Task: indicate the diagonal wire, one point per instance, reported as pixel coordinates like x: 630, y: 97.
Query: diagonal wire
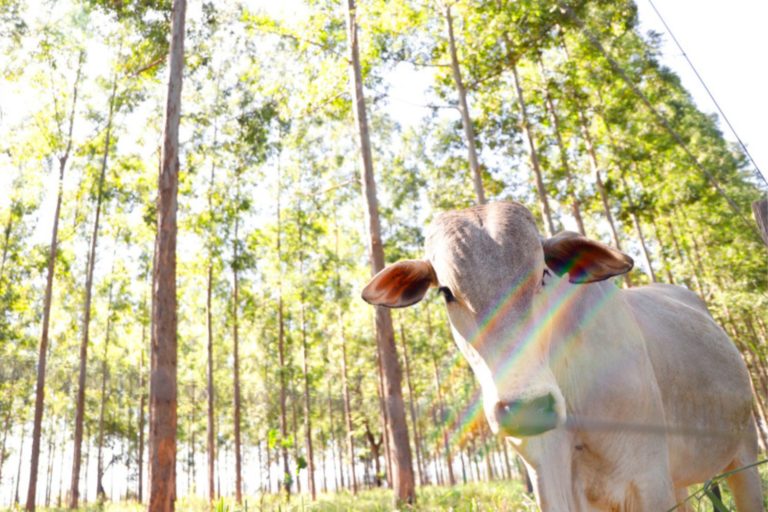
x: 759, y: 173
x: 660, y: 118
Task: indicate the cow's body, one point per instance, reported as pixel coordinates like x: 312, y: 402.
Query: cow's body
x: 616, y: 399
x: 670, y: 368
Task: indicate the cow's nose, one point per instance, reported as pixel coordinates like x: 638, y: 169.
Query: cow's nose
x: 521, y: 418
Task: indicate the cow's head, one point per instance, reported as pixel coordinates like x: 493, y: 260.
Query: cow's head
x: 500, y: 281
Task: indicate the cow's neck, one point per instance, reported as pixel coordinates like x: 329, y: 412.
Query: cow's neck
x: 597, y: 351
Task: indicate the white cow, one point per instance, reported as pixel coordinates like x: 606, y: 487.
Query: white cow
x: 616, y: 399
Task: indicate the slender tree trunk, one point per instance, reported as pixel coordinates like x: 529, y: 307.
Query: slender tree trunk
x: 384, y: 421
x: 142, y: 400
x: 507, y: 465
x: 684, y: 261
x: 344, y: 378
x: 281, y: 348
x: 211, y: 427
x: 74, y: 488
x: 305, y: 369
x: 18, y: 469
x: 488, y: 464
x: 571, y: 189
x: 62, y: 459
x: 100, y: 494
x: 599, y: 180
x: 324, y: 463
x: 662, y: 248
x: 192, y: 442
x: 441, y: 404
x: 411, y: 400
x: 466, y: 119
x: 236, y: 354
x: 375, y: 452
x: 335, y: 448
x: 7, y: 239
x: 533, y: 153
x: 639, y: 229
x: 403, y: 481
x: 49, y: 474
x: 163, y: 387
x: 295, y: 432
x: 6, y: 428
x: 87, y: 461
x: 43, y: 349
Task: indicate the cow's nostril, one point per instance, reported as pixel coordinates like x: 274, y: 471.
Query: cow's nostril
x: 544, y: 404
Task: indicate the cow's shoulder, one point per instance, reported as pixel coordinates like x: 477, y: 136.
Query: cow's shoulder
x: 665, y: 296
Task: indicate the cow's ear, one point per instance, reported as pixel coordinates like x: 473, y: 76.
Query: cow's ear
x: 585, y: 260
x: 400, y: 285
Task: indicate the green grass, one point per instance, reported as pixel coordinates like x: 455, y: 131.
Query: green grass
x: 472, y: 497
x: 504, y: 496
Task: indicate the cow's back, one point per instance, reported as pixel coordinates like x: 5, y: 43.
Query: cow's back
x: 703, y: 380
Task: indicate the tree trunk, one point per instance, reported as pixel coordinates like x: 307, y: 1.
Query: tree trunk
x: 18, y: 468
x: 403, y: 481
x: 100, y: 494
x: 6, y: 239
x: 599, y: 181
x: 639, y: 229
x: 760, y: 210
x: 528, y: 127
x: 49, y: 477
x: 441, y: 403
x: 487, y: 454
x: 375, y: 452
x: 295, y: 433
x: 210, y: 389
x: 384, y: 420
x: 210, y: 429
x: 507, y: 465
x: 142, y: 384
x: 571, y: 189
x: 236, y: 377
x: 74, y: 488
x: 662, y: 248
x: 6, y: 428
x: 282, y: 371
x: 43, y: 349
x: 305, y: 369
x: 62, y: 459
x: 344, y: 377
x: 163, y: 390
x: 466, y: 119
x: 411, y: 400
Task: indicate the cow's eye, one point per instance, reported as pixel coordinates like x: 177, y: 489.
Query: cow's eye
x: 446, y: 294
x: 545, y: 277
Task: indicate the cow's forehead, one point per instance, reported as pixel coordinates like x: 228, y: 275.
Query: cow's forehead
x: 478, y: 249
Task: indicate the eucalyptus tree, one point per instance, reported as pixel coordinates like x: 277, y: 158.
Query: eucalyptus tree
x: 60, y: 141
x: 91, y: 263
x: 162, y: 394
x: 403, y: 479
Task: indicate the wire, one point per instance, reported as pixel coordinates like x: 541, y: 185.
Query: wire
x: 758, y: 172
x: 660, y: 118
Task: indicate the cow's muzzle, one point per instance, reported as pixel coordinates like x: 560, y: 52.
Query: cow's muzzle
x: 522, y: 418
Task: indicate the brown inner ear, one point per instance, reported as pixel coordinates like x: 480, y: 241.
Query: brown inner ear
x: 400, y: 285
x: 585, y: 261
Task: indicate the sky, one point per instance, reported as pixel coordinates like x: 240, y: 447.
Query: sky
x: 727, y: 42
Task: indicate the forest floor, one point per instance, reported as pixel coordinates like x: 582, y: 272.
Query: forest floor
x: 502, y: 496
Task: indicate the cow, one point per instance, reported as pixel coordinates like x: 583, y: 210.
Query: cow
x: 616, y: 399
